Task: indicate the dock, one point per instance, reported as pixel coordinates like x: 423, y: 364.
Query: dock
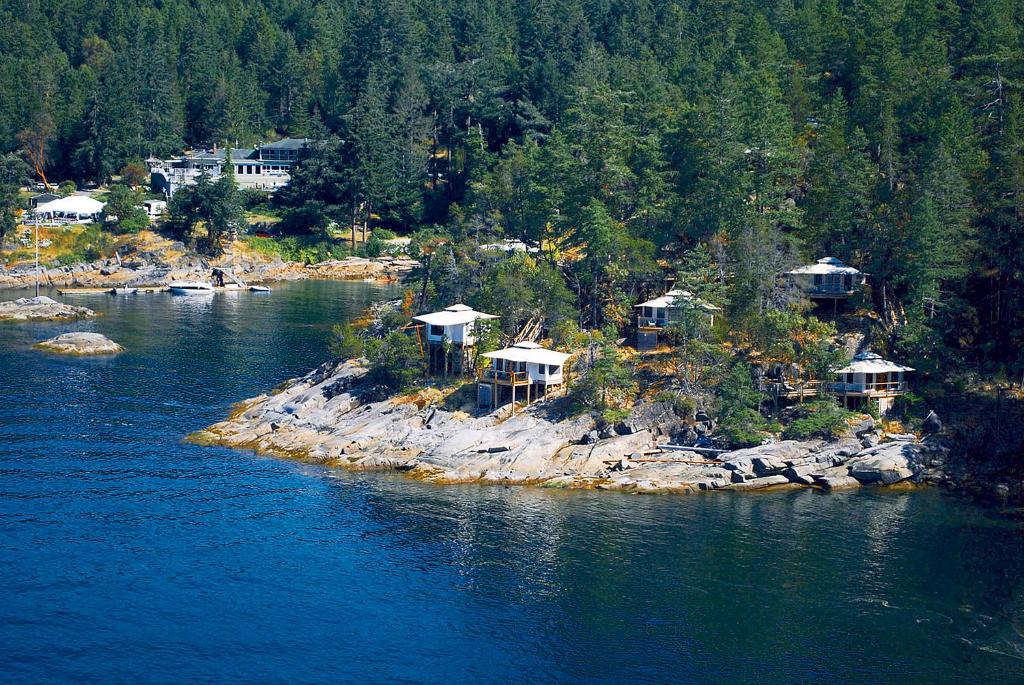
x: 106, y: 291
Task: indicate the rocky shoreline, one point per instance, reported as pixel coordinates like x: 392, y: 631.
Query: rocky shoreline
x: 155, y: 270
x: 330, y: 417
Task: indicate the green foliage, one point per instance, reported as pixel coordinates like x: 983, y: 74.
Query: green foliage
x: 607, y: 383
x: 819, y: 419
x: 395, y: 361
x: 13, y: 172
x: 123, y: 212
x: 345, y: 342
x: 307, y: 249
x: 740, y: 420
x: 208, y: 212
x: 888, y: 135
x: 89, y: 245
x: 684, y: 406
x: 67, y: 188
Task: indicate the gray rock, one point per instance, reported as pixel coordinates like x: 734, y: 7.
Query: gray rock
x: 607, y: 433
x: 759, y: 483
x: 890, y: 463
x: 870, y: 439
x: 931, y: 424
x: 80, y: 344
x: 838, y: 482
x: 865, y: 426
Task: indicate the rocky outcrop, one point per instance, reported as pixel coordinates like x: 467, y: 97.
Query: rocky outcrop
x: 327, y: 417
x: 41, y: 308
x: 80, y: 344
x: 154, y: 270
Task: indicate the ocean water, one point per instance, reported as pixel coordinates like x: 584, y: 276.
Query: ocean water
x: 127, y: 555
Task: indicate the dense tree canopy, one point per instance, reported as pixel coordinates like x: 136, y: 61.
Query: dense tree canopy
x: 607, y: 135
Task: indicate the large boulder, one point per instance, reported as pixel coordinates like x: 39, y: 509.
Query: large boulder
x: 41, y: 308
x: 81, y: 344
x: 931, y: 424
x: 886, y: 464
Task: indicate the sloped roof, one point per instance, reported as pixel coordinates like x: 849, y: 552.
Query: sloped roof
x: 72, y: 204
x: 287, y: 144
x: 679, y: 298
x: 453, y: 316
x: 869, y: 362
x: 825, y: 265
x: 529, y: 352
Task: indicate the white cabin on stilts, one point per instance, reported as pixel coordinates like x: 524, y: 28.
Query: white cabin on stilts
x: 655, y: 315
x: 455, y: 327
x: 828, y: 279
x: 524, y: 372
x: 869, y: 378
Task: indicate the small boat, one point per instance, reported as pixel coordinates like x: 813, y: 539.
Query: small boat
x: 259, y: 288
x: 123, y: 291
x: 190, y: 288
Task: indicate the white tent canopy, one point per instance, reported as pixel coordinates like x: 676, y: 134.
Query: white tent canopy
x: 869, y: 362
x: 529, y: 352
x: 73, y: 205
x: 826, y: 265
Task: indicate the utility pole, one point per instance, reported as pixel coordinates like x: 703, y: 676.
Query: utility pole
x: 37, y: 255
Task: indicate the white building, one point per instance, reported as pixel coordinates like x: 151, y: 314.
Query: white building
x: 526, y: 366
x: 456, y: 325
x: 266, y: 167
x: 73, y: 209
x: 655, y: 315
x: 154, y: 208
x: 827, y: 279
x: 868, y: 378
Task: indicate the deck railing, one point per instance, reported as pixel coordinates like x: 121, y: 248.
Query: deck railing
x: 516, y: 377
x: 880, y: 386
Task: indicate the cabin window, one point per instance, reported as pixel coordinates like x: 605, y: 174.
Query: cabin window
x: 848, y: 282
x: 521, y: 367
x: 818, y: 280
x: 552, y: 370
x: 648, y: 312
x: 436, y: 331
x: 849, y: 378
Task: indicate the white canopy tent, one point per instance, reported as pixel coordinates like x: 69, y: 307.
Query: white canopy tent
x: 74, y: 208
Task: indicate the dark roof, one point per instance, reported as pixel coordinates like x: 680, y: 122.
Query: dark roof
x: 287, y: 144
x: 44, y: 197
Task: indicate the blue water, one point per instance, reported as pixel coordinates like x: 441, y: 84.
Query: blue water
x: 127, y: 555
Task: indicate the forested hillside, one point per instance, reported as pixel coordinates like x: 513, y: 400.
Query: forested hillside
x: 735, y: 138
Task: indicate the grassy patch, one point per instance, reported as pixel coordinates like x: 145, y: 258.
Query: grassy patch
x: 299, y: 248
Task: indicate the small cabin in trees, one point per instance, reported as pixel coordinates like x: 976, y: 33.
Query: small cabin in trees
x: 869, y: 378
x: 525, y: 371
x: 655, y: 315
x: 454, y: 328
x: 827, y: 279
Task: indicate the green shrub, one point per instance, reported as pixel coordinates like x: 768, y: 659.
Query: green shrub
x: 345, y: 342
x: 383, y: 234
x: 821, y: 419
x: 395, y: 361
x: 683, y: 405
x: 307, y: 249
x: 744, y: 427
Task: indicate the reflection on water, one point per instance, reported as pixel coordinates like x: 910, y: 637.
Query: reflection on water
x: 128, y: 555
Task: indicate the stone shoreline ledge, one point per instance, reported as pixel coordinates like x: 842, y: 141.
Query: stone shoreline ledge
x: 327, y: 417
